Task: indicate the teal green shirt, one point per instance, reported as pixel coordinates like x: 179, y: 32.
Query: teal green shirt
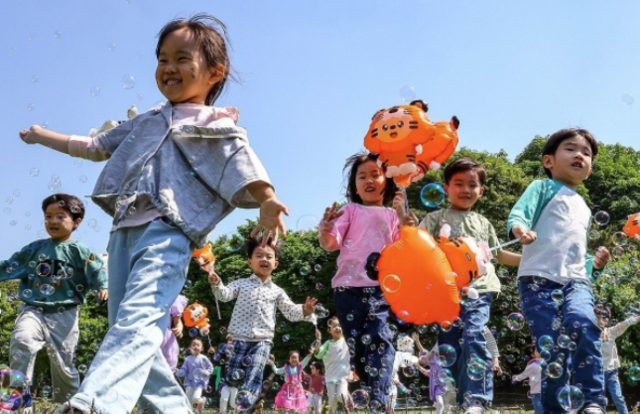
x: 467, y: 224
x: 55, y: 274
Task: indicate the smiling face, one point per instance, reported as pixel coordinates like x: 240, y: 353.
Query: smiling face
x: 294, y: 359
x: 182, y: 74
x: 59, y: 223
x: 196, y: 348
x: 334, y: 329
x: 571, y: 163
x: 464, y: 189
x: 370, y: 183
x: 263, y: 261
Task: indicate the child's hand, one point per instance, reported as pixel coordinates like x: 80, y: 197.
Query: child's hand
x: 415, y: 337
x: 525, y: 236
x: 309, y: 306
x: 602, y: 257
x: 30, y: 136
x: 318, y: 334
x: 328, y: 218
x: 177, y: 330
x: 214, y: 279
x: 424, y: 371
x: 496, y: 366
x: 103, y: 294
x: 513, y: 378
x: 271, y: 220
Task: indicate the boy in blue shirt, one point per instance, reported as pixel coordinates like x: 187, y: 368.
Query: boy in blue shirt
x: 552, y: 221
x: 55, y: 275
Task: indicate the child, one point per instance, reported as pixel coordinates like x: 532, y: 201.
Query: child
x: 172, y: 174
x: 170, y: 348
x: 335, y: 356
x: 359, y: 228
x: 610, y: 360
x: 552, y: 212
x: 464, y: 184
x: 404, y: 358
x: 196, y: 370
x: 316, y: 388
x: 254, y: 314
x: 533, y: 371
x: 228, y: 392
x: 291, y: 396
x: 55, y: 275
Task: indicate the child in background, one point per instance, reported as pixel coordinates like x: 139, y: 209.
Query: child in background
x: 334, y: 354
x: 361, y: 227
x: 404, y: 358
x: 172, y: 174
x: 464, y: 184
x: 291, y: 396
x: 196, y: 371
x: 228, y: 391
x: 610, y: 360
x: 533, y: 372
x: 316, y: 388
x: 55, y: 275
x: 254, y: 314
x: 170, y: 348
x: 552, y: 222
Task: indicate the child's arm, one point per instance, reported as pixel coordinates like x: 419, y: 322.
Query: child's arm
x: 38, y: 135
x: 276, y: 370
x: 406, y: 218
x: 525, y: 213
x: 208, y: 367
x: 177, y: 326
x: 322, y: 351
x: 294, y: 312
x: 619, y: 329
x: 508, y: 258
x: 528, y: 371
x: 270, y: 208
x: 184, y: 369
x: 7, y: 270
x: 492, y: 347
x: 96, y: 273
x: 220, y: 291
x: 305, y: 361
x: 416, y: 339
x: 327, y: 239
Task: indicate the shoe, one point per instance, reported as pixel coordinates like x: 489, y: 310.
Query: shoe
x: 592, y: 409
x: 477, y: 409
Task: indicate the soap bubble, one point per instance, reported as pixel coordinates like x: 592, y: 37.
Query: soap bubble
x: 304, y: 270
x: 128, y: 82
x: 634, y: 373
x: 366, y: 339
x: 476, y: 368
x: 446, y: 355
x: 627, y: 99
x: 409, y: 371
x: 243, y: 399
x: 247, y: 361
x: 82, y: 368
x: 307, y: 222
x: 407, y: 93
x: 432, y: 195
x: 360, y: 399
x: 545, y: 343
x: 34, y: 78
x: 34, y: 172
x: 27, y: 293
x: 233, y: 242
x: 391, y: 283
x: 31, y: 107
x: 601, y: 218
x: 555, y: 370
x: 515, y: 321
x: 47, y: 289
x: 286, y: 337
x: 94, y: 91
x: 111, y: 47
x: 570, y: 397
x: 320, y: 311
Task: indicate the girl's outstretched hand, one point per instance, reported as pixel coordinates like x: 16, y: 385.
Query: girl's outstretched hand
x: 328, y: 218
x: 309, y: 306
x: 30, y: 135
x: 271, y: 220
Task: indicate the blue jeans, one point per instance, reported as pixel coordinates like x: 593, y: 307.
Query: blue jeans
x: 612, y: 382
x: 475, y: 316
x: 368, y: 320
x: 536, y: 400
x: 147, y: 268
x: 577, y: 319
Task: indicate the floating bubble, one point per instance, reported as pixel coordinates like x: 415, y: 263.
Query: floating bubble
x: 27, y: 293
x: 366, y: 339
x: 57, y: 34
x: 304, y: 270
x: 515, y: 321
x: 244, y: 399
x: 391, y: 283
x: 601, y: 218
x: 545, y: 343
x: 34, y: 172
x: 407, y: 93
x: 111, y: 47
x: 317, y: 268
x: 320, y: 311
x: 570, y: 398
x: 94, y: 91
x: 409, y: 371
x: 83, y: 178
x: 446, y: 355
x: 634, y: 373
x: 237, y: 374
x: 555, y: 370
x: 247, y: 361
x: 476, y: 368
x: 31, y: 107
x: 620, y: 239
x: 628, y: 99
x: 43, y: 269
x: 128, y: 82
x: 79, y: 288
x: 82, y: 368
x: 286, y: 337
x: 233, y: 242
x: 594, y: 235
x: 47, y: 289
x: 307, y: 222
x: 34, y: 78
x: 557, y: 296
x: 360, y: 399
x: 432, y: 195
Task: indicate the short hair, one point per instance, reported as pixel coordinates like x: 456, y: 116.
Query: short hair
x: 71, y: 204
x: 462, y: 165
x: 352, y: 164
x: 253, y: 242
x: 319, y: 366
x: 197, y: 339
x: 211, y: 36
x: 554, y: 141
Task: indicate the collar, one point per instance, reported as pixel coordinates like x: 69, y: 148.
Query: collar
x: 256, y: 279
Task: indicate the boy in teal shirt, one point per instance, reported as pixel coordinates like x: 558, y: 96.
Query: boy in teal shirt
x: 55, y: 275
x: 464, y: 184
x: 552, y: 221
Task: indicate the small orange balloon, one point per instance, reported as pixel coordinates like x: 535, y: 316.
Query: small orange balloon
x: 632, y: 227
x: 461, y: 254
x: 195, y: 315
x: 204, y: 255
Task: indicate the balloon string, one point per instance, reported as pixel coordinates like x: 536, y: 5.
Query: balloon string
x: 218, y: 308
x: 509, y: 243
x: 406, y: 200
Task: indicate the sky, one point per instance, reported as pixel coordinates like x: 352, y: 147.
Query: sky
x: 309, y: 77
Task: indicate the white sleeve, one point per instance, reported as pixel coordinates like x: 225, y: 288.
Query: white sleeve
x: 87, y: 148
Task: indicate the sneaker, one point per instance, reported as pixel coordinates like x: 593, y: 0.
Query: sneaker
x: 592, y: 409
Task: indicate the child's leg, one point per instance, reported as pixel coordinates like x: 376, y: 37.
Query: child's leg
x: 474, y: 315
x: 191, y: 392
x: 259, y: 352
x: 233, y: 393
x: 369, y: 319
x: 612, y: 383
x: 62, y: 332
x: 224, y: 398
x: 333, y: 392
x: 151, y: 260
x: 439, y: 404
x: 27, y: 339
x: 536, y: 400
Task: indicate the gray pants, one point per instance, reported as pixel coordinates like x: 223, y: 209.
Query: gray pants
x: 59, y: 331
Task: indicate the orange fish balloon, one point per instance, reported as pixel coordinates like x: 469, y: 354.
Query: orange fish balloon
x: 204, y: 255
x: 416, y: 278
x: 632, y: 227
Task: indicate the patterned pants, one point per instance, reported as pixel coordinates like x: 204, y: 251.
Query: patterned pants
x: 252, y: 378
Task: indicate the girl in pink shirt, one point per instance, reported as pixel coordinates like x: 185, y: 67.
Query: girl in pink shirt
x: 359, y: 228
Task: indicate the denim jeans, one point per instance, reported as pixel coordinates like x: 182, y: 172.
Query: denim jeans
x: 536, y: 400
x: 573, y: 315
x: 477, y: 388
x: 147, y: 267
x: 612, y: 382
x: 369, y: 314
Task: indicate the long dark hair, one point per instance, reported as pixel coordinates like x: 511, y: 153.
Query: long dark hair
x: 351, y: 165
